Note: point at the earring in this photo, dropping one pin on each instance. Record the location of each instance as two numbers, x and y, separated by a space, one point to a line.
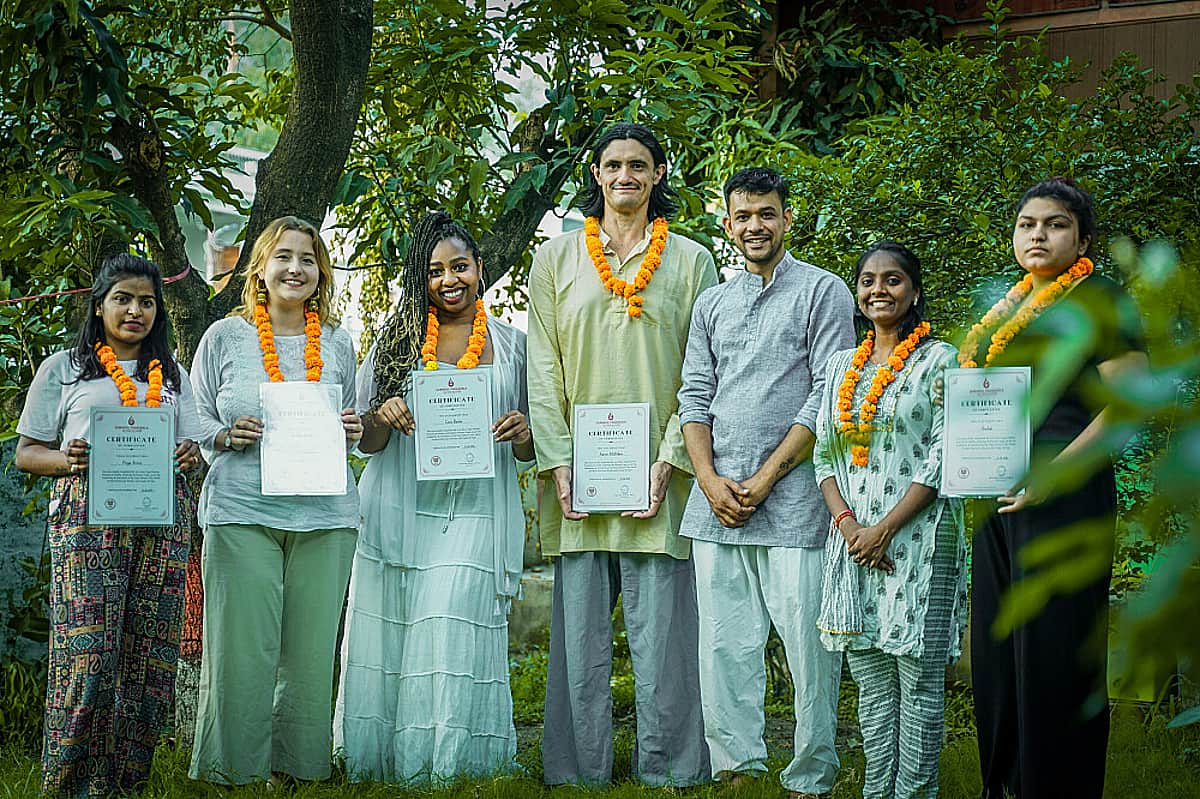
261 296
313 304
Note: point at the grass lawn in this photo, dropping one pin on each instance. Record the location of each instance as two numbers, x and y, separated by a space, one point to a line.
1145 761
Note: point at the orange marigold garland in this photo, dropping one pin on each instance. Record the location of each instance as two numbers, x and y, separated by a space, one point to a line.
651 262
125 384
1017 320
475 343
859 433
312 344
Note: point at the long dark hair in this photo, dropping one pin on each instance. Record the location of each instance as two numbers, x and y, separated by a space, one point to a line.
1073 198
154 345
403 335
911 265
663 201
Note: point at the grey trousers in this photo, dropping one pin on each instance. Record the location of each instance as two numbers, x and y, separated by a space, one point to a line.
659 599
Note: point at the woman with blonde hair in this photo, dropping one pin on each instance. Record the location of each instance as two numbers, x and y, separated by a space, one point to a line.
275 567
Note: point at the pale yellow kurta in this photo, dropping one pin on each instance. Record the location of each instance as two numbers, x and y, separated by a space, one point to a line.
584 348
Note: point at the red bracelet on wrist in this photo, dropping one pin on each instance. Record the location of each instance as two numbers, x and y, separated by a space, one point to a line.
837 522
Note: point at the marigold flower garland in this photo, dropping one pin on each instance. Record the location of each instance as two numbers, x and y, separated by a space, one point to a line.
312 344
651 262
125 384
1019 320
859 434
475 343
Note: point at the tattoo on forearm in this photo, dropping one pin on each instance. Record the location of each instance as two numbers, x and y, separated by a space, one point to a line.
787 465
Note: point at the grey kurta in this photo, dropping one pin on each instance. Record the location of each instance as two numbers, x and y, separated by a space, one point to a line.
768 345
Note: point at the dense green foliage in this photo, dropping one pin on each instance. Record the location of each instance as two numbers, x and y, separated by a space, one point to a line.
943 170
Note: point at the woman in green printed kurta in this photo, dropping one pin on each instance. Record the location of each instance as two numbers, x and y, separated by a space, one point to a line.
894 595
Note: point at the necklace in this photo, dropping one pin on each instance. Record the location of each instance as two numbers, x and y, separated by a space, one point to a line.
1018 321
859 433
312 344
470 358
651 261
125 384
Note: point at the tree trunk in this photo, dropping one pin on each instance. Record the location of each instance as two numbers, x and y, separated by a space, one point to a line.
331 48
142 151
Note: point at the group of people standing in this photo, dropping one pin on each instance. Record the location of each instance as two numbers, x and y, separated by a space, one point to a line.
795 453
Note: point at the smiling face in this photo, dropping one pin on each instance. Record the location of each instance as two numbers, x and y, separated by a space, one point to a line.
454 277
128 312
626 174
885 291
756 225
1046 237
290 274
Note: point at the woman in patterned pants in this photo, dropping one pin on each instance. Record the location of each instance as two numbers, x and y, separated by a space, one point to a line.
116 599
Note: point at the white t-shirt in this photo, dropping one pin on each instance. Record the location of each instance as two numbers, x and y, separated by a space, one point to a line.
59 407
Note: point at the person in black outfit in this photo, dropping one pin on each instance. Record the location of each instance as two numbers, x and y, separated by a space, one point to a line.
1041 701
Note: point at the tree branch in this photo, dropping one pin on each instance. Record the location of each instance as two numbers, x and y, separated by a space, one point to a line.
266 21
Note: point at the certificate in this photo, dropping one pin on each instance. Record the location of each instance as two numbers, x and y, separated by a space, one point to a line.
303 446
131 468
611 466
454 423
985 441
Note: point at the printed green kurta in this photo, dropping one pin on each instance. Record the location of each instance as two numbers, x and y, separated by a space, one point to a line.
584 348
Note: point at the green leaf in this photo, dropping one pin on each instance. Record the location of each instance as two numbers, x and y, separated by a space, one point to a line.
1189 716
478 174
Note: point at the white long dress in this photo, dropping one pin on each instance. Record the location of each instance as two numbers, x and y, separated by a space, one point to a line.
424 693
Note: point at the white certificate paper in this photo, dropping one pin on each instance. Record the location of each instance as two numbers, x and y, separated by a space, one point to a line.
611 468
303 445
131 469
453 411
986 433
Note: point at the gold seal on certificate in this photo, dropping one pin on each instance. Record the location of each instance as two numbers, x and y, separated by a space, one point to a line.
303 442
611 468
453 411
131 470
985 436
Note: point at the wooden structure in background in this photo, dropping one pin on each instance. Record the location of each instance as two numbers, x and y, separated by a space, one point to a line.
1165 34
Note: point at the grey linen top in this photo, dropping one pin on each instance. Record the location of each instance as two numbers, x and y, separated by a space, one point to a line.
755 365
226 373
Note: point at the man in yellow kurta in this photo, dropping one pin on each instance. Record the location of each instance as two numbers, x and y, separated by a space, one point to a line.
590 344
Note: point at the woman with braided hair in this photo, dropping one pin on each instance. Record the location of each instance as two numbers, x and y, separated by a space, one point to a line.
424 693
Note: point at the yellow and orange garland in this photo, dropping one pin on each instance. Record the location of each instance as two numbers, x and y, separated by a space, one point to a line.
312 344
1016 322
125 384
470 358
651 261
859 433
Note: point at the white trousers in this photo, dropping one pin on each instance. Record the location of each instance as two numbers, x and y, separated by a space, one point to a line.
740 591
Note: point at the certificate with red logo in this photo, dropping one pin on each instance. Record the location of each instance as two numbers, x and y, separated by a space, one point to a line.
611 468
453 411
985 437
131 469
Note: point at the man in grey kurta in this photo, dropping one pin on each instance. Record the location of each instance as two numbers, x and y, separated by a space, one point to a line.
752 381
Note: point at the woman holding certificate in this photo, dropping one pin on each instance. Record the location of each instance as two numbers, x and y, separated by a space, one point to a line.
275 564
894 589
424 692
116 592
1040 692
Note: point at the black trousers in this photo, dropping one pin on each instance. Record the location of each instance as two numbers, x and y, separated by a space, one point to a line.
1041 697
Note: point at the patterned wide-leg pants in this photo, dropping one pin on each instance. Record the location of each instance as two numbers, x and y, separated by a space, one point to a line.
116 608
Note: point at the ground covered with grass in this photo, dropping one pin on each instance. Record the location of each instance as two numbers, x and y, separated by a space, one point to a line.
1146 760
